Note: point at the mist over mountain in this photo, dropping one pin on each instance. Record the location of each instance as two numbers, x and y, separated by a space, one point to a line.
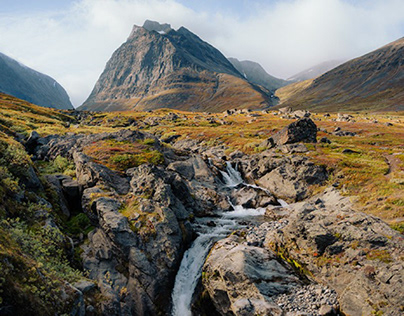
160 67
25 83
315 71
255 73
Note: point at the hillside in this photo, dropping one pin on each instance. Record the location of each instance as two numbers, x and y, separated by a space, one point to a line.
161 67
30 85
315 71
254 73
373 82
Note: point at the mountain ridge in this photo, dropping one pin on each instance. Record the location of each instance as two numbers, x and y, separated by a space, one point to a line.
30 85
176 70
373 81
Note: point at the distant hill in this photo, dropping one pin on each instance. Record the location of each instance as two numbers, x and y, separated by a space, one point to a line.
30 85
254 73
373 82
158 67
315 71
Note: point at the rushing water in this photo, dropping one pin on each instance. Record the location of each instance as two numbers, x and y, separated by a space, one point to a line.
191 265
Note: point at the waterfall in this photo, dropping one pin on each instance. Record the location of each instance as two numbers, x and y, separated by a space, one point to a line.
191 266
231 176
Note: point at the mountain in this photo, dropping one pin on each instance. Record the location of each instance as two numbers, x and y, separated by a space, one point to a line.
374 82
316 70
254 73
160 67
30 85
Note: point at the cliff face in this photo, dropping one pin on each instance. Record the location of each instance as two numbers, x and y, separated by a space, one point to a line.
160 67
30 85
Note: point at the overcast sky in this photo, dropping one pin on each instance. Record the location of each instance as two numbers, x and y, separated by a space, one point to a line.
72 40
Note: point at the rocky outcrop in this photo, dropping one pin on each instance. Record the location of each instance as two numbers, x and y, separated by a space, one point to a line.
287 178
27 84
338 259
240 279
161 67
357 255
134 255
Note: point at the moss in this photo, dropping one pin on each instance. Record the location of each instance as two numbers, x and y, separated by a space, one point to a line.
398 227
79 224
381 255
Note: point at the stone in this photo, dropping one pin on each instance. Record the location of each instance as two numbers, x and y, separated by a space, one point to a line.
303 130
84 286
241 279
325 140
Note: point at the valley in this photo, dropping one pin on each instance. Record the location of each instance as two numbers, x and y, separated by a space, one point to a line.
138 200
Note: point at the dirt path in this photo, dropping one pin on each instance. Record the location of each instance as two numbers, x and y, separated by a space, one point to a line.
393 163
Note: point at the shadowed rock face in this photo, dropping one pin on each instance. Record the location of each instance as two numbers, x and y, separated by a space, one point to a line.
30 85
160 67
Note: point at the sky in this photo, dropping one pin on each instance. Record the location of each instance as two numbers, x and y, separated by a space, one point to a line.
71 40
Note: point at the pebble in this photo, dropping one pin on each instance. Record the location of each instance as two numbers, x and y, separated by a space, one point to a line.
312 300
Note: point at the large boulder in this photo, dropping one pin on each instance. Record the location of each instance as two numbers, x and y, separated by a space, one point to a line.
241 279
303 130
287 178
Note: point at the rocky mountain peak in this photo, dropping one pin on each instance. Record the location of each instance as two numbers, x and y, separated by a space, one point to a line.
156 26
161 67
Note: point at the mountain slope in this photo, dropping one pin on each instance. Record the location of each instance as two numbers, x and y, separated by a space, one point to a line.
160 67
374 81
254 73
30 85
315 71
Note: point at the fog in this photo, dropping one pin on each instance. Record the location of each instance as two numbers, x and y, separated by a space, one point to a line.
73 44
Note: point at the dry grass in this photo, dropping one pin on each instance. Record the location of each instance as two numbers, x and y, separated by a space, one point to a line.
378 187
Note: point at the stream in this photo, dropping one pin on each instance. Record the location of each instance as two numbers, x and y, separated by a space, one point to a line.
190 269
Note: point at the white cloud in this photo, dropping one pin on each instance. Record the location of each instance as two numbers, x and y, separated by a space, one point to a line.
285 36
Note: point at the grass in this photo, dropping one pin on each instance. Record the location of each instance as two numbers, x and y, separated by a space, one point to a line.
122 155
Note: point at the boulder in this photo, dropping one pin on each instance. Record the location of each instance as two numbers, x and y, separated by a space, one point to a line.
303 130
250 197
241 279
90 174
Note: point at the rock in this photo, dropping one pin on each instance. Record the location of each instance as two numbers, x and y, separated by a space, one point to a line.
285 110
301 113
293 148
325 140
55 183
250 197
339 132
326 310
286 178
241 279
84 286
338 245
350 151
91 174
344 117
303 130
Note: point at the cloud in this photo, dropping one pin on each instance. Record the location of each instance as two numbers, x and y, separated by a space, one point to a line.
74 45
